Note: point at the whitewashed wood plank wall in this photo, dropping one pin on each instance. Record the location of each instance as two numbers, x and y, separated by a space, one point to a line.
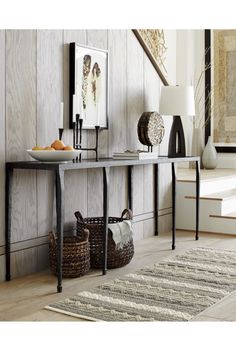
34 71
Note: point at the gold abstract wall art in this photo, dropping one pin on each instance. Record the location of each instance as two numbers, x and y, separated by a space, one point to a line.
153 43
223 88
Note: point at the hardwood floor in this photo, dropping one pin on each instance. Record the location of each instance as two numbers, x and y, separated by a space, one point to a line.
23 299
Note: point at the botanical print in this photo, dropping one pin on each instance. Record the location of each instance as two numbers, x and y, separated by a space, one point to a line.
86 70
224 87
96 72
93 82
91 86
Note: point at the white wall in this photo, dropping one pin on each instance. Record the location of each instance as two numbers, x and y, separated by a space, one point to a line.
189 65
170 61
170 64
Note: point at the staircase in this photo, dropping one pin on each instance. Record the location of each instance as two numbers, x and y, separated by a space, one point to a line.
217 200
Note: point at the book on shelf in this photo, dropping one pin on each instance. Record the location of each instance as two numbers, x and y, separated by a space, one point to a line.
135 155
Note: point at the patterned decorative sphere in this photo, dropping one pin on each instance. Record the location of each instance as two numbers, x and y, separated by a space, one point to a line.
150 128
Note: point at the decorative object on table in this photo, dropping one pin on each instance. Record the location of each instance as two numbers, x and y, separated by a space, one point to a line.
175 289
77 138
150 129
119 253
153 43
52 155
60 133
61 125
88 86
220 82
176 101
76 254
209 156
134 155
57 151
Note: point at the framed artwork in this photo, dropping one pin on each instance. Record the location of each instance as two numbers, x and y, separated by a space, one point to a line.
88 86
220 85
153 43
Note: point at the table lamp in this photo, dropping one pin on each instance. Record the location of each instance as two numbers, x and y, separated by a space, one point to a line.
177 101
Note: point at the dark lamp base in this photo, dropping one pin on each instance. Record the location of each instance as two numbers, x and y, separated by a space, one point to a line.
177 139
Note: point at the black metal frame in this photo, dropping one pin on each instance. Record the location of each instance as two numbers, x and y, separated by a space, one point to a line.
8 211
207 81
59 170
60 187
106 172
229 149
173 173
156 197
197 166
72 81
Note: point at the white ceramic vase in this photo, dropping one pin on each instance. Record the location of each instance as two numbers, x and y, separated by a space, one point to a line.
209 155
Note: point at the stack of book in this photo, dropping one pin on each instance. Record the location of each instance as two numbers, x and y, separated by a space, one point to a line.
135 155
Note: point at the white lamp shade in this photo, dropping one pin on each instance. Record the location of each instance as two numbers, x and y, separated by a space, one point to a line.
177 101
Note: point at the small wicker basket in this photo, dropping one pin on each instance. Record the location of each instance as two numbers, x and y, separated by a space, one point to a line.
116 256
76 254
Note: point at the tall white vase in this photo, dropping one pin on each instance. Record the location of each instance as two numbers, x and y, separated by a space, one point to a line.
209 156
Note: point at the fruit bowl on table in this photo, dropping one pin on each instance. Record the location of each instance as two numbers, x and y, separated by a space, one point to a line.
54 155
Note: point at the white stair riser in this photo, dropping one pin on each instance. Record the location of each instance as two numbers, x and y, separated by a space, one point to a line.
216 186
223 225
228 206
213 207
186 219
186 213
186 208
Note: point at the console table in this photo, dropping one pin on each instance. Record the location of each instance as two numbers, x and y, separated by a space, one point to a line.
59 170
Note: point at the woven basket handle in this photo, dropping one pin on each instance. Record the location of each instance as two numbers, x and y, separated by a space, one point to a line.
128 213
52 238
79 216
85 235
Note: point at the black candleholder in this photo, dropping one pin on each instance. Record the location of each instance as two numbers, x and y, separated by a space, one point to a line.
61 130
77 138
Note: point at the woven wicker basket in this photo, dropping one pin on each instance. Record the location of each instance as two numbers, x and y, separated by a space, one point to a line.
76 254
116 256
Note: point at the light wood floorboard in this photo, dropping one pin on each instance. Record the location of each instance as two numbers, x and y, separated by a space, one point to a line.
24 298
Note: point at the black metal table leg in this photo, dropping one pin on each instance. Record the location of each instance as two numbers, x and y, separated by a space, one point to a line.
130 187
197 197
173 203
105 215
60 225
8 210
156 196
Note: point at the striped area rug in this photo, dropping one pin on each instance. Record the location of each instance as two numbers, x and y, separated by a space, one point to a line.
176 289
